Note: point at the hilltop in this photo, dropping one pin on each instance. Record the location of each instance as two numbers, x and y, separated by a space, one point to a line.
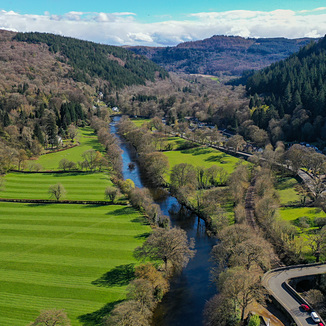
222 54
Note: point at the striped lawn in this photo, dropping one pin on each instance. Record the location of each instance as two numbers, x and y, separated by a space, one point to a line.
78 186
86 138
51 254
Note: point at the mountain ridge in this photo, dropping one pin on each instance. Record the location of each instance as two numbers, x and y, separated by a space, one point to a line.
220 54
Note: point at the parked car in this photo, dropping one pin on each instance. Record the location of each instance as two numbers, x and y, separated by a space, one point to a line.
321 324
315 317
305 307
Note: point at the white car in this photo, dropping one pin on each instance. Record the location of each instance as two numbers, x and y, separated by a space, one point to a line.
315 317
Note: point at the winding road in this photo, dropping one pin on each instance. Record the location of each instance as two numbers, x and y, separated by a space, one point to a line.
275 282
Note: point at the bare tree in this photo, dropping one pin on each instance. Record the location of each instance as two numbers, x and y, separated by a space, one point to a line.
57 191
183 174
169 246
129 313
111 193
72 132
52 317
241 286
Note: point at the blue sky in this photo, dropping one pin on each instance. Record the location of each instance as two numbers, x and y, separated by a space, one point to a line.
169 22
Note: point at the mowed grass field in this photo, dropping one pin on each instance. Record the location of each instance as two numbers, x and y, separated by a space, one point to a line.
202 156
86 138
78 186
72 257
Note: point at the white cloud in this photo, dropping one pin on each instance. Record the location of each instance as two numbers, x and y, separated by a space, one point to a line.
124 29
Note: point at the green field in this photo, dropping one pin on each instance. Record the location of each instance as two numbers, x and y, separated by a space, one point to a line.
139 122
292 214
79 186
202 156
86 138
59 256
287 192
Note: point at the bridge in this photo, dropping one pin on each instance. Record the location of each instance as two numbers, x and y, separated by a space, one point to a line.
277 283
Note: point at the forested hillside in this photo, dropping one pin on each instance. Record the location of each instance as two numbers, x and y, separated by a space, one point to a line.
222 54
294 92
114 64
48 82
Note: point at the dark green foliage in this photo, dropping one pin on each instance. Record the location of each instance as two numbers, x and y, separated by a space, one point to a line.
117 65
69 113
297 87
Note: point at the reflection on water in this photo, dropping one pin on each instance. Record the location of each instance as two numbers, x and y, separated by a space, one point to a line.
190 290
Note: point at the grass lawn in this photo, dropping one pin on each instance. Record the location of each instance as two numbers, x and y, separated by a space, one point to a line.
70 257
79 186
291 214
87 139
202 156
308 214
286 190
176 142
139 122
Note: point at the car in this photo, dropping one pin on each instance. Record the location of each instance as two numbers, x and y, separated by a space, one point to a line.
305 307
321 324
315 317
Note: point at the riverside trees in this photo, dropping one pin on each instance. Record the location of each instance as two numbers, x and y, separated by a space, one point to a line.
170 246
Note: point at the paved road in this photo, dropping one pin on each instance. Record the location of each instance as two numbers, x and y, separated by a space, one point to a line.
275 280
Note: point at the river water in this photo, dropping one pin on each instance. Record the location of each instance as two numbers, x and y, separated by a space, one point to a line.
184 304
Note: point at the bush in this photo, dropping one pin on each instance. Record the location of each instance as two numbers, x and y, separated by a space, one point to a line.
254 320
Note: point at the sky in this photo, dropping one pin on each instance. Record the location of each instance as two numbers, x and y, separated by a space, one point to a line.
165 23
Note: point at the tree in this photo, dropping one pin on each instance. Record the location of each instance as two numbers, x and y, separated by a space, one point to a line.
111 193
220 311
21 158
235 142
92 158
52 317
156 165
169 246
159 283
241 286
129 313
57 191
65 164
2 183
183 174
317 243
51 129
72 132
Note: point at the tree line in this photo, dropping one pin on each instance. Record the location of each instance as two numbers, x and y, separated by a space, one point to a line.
294 92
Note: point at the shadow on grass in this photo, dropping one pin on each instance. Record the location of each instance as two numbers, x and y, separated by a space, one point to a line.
73 173
94 205
197 151
217 158
96 318
118 276
39 204
141 219
122 211
143 236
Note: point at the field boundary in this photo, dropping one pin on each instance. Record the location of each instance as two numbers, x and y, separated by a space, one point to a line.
52 201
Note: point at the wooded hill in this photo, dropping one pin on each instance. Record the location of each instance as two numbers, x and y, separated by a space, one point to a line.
49 81
222 54
294 92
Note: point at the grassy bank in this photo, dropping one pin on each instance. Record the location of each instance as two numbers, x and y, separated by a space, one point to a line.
86 139
79 186
58 256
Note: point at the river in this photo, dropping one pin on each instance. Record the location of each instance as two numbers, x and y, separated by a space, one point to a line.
184 304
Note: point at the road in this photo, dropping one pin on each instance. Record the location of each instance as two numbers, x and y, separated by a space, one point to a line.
274 281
